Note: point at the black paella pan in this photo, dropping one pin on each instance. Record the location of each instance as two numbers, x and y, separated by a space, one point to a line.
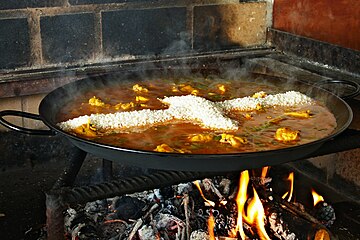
51 104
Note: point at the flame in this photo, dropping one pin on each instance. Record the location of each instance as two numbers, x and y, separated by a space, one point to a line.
322 234
317 198
240 202
291 179
211 224
265 171
211 203
256 216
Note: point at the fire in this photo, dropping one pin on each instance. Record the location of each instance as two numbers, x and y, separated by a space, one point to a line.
209 202
255 211
322 234
265 171
256 216
290 193
317 198
240 202
211 224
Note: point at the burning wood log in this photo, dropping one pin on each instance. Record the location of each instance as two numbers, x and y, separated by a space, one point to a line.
290 220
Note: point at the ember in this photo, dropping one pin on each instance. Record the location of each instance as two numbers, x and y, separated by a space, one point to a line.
216 208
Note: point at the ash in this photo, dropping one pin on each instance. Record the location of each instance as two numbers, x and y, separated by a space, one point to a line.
176 212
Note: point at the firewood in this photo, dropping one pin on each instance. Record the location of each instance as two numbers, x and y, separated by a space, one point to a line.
287 218
186 211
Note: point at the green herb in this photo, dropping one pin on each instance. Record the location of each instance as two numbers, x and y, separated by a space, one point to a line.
195 146
262 126
268 124
217 137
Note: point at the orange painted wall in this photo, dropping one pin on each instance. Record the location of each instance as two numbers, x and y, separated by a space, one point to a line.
332 21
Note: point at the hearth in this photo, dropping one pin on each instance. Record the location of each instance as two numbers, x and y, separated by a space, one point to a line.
72 188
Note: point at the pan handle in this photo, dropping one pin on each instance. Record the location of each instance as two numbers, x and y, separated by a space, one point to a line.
330 85
22 129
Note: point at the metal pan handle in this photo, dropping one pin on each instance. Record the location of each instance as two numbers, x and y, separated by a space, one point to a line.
330 85
22 129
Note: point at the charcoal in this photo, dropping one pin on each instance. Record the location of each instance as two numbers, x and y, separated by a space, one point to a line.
129 208
167 192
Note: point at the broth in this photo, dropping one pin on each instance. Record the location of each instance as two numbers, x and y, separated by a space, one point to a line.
257 128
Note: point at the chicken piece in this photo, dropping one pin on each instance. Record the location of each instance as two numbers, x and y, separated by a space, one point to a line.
138 88
124 106
233 140
94 101
174 89
285 134
248 116
221 88
164 148
259 95
260 108
189 89
299 114
277 120
201 138
86 130
141 99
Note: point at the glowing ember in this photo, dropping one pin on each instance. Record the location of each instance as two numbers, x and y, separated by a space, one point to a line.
181 217
317 198
290 193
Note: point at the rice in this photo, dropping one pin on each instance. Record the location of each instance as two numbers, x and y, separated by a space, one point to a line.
192 108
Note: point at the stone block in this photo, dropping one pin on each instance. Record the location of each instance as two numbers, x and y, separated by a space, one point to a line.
229 25
144 31
14 43
68 38
19 4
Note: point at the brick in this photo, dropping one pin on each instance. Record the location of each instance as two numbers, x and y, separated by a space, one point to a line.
80 2
347 165
149 31
68 38
18 4
14 43
229 25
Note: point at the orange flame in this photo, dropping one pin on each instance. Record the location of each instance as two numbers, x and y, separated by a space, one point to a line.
317 198
211 203
265 171
240 202
291 179
211 224
256 216
322 234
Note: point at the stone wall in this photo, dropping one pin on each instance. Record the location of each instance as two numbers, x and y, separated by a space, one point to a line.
38 34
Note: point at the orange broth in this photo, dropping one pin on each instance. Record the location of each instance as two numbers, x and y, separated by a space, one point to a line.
255 125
